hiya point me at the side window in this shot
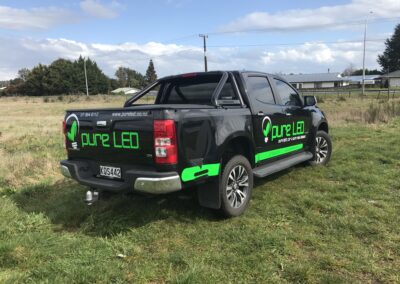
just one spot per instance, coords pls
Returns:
(288, 95)
(259, 90)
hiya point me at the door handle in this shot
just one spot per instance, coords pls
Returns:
(260, 113)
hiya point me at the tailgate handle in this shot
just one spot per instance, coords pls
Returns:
(102, 123)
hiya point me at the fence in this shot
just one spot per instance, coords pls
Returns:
(378, 93)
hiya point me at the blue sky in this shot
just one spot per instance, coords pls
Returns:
(273, 36)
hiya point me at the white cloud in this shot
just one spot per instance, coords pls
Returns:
(300, 19)
(34, 18)
(173, 59)
(43, 18)
(96, 9)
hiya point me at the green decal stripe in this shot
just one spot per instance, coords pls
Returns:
(278, 152)
(195, 172)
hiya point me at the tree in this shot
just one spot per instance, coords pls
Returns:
(349, 70)
(359, 72)
(129, 78)
(151, 74)
(37, 82)
(61, 77)
(98, 82)
(390, 59)
(23, 74)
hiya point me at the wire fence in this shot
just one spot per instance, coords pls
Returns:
(342, 92)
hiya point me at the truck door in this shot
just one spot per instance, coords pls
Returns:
(297, 119)
(265, 114)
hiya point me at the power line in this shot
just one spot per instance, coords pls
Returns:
(357, 22)
(296, 43)
(216, 33)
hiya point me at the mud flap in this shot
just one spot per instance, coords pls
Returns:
(209, 194)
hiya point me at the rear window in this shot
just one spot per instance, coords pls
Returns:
(190, 90)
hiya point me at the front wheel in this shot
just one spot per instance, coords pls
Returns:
(323, 149)
(236, 186)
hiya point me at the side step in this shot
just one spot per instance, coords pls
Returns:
(268, 169)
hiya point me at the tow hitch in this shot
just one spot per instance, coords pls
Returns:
(91, 196)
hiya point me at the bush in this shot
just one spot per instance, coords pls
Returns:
(382, 112)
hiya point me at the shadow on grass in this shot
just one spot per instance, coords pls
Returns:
(62, 202)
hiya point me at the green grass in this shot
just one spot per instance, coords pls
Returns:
(334, 224)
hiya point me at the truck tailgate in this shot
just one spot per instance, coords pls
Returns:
(122, 136)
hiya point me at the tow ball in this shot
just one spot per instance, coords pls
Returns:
(92, 196)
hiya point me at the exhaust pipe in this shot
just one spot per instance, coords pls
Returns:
(91, 197)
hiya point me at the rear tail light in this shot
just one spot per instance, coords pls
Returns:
(64, 129)
(165, 145)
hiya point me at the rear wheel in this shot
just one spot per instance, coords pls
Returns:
(236, 186)
(323, 149)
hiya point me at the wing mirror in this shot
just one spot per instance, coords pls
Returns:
(310, 100)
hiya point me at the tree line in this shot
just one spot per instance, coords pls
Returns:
(64, 76)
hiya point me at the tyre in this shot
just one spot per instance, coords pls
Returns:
(323, 149)
(236, 185)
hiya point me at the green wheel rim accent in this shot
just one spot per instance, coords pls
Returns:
(196, 172)
(277, 152)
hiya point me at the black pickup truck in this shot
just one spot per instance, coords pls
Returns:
(213, 131)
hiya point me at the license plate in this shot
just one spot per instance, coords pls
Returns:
(111, 172)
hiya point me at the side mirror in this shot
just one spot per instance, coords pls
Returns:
(310, 100)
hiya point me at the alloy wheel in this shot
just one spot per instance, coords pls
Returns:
(321, 151)
(237, 186)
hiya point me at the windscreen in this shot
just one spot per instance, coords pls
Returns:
(190, 90)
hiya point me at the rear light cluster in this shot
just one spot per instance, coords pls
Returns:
(165, 145)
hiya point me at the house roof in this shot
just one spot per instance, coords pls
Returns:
(394, 74)
(317, 77)
(358, 78)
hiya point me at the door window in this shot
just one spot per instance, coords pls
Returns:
(288, 95)
(259, 90)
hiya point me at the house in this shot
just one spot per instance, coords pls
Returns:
(125, 91)
(393, 78)
(370, 80)
(316, 81)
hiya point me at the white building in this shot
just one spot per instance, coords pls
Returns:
(393, 77)
(125, 91)
(316, 81)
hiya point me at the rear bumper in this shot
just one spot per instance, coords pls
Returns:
(143, 180)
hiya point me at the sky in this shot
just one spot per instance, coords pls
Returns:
(262, 35)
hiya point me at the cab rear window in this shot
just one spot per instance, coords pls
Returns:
(190, 90)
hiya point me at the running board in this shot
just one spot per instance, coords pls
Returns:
(268, 169)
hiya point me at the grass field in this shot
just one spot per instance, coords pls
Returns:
(334, 224)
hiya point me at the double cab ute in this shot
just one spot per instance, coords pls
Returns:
(213, 131)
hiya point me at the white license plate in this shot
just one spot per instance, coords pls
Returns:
(111, 172)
